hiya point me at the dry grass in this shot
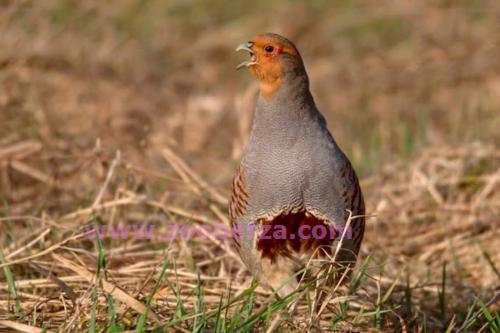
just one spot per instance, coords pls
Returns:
(413, 100)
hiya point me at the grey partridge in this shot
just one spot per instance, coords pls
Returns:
(293, 177)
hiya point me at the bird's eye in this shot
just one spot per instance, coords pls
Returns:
(269, 48)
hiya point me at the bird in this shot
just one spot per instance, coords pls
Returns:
(293, 180)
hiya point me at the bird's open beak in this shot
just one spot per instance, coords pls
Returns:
(252, 61)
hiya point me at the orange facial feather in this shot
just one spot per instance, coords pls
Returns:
(269, 68)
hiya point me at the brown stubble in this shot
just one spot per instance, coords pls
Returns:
(441, 203)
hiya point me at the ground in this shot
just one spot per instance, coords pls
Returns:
(131, 114)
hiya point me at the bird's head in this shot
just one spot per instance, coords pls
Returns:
(273, 58)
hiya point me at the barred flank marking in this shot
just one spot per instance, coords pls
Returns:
(239, 202)
(239, 185)
(354, 196)
(356, 206)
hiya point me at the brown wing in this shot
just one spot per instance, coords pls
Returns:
(353, 200)
(238, 203)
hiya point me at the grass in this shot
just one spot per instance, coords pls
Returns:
(492, 318)
(101, 269)
(413, 102)
(442, 296)
(141, 324)
(12, 286)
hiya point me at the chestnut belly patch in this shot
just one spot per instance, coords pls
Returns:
(296, 233)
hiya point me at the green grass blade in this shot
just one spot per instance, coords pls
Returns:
(101, 264)
(493, 322)
(442, 295)
(141, 324)
(11, 285)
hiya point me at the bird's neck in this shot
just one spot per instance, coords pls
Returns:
(290, 88)
(289, 108)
